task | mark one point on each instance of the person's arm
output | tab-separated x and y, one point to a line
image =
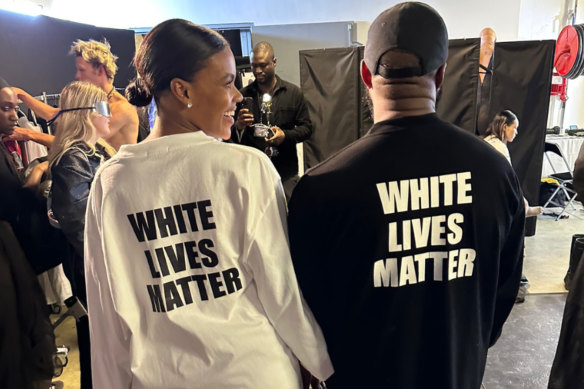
41	109
36	175
302	129
110	350
26	134
511	261
72	179
270	263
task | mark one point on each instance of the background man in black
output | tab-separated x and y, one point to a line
288	119
407	243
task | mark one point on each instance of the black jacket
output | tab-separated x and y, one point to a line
72	176
288	112
27	214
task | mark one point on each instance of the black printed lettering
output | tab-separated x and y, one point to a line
211	260
231	279
153	271
180	220
166	223
184	284
176	257
190	210
156	298
200	279
206	214
162	261
192	254
172	296
216	284
143	227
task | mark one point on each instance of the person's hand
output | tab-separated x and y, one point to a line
19	92
41	167
277	138
244	119
21	134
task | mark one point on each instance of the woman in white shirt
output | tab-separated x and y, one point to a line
503	130
189	278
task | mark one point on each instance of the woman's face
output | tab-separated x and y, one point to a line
215	96
101	124
511	131
8	117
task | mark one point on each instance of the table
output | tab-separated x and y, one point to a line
570	147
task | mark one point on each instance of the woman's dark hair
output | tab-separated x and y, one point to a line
497	126
175	48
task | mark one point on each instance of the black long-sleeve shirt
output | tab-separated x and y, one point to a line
407	247
288	112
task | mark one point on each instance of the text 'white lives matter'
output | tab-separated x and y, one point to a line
427	236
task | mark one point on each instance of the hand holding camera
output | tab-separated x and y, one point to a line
277	136
245	116
244	119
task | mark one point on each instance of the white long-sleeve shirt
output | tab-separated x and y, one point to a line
189	277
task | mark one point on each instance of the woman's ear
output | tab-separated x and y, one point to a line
180	89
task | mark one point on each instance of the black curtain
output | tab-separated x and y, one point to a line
521	81
522	76
331	83
35	51
458	96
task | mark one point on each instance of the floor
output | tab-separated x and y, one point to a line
523	355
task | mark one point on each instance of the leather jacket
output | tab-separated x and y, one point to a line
72	176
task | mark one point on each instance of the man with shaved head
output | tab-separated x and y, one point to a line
280	105
407	243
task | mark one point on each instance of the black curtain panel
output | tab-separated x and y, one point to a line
521	81
458	96
35	51
331	83
522	76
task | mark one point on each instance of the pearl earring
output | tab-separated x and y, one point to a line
190	105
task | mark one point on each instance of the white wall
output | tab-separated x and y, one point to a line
511	19
463	18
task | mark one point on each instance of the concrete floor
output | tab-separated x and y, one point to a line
523	355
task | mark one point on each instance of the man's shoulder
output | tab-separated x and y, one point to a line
120	107
288	85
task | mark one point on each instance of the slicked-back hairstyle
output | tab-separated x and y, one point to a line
97	54
497	126
175	48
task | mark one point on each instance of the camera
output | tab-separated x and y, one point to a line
247	103
260	130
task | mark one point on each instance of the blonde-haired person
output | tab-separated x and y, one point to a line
95	63
503	130
96	54
74	158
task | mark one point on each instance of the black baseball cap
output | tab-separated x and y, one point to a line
413	27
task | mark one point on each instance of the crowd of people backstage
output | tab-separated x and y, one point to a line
388	269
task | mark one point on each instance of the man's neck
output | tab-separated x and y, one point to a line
268	87
403	100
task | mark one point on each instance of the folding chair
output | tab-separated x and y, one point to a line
564	183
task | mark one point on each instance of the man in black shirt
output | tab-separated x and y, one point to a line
407	243
285	112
